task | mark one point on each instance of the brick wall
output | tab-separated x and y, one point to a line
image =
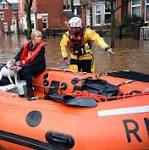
7	18
54	8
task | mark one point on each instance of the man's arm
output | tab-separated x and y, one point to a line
93	36
64	45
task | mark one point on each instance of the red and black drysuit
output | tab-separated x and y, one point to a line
32	61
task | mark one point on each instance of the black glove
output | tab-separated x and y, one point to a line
66	60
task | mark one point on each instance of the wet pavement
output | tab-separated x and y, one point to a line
129	54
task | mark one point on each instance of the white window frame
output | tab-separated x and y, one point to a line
2	16
135	6
96	14
102	13
145	18
66	3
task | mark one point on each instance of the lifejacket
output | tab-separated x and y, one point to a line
77	43
27	55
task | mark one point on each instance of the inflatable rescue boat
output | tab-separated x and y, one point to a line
80	111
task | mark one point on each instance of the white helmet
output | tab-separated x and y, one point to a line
75	22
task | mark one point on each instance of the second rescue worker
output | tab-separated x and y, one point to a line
78	40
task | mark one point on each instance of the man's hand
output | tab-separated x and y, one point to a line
109	50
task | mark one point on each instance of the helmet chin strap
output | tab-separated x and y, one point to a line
76	32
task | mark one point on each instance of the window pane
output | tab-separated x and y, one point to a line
67	4
147	13
147	1
136	11
98	19
107	7
76	2
108	18
135	2
64	2
98	9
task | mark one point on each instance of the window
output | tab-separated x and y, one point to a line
135	2
101	14
136	7
97	14
88	17
76	2
5	27
3	6
67	4
107	13
1	15
147	11
45	21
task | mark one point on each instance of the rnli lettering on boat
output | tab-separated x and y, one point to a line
135	130
131	126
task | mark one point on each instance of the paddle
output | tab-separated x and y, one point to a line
73	101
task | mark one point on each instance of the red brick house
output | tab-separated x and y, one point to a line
5	16
8	16
45	14
140	8
100	16
54	14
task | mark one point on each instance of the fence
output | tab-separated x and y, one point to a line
144	33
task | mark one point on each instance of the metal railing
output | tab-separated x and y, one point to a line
144	33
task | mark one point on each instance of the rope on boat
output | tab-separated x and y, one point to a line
127	95
101	98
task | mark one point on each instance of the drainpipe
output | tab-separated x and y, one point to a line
75	11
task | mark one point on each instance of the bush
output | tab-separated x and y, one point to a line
131	22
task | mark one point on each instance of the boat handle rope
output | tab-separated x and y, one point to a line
127	95
125	82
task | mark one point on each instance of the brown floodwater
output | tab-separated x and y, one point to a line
129	54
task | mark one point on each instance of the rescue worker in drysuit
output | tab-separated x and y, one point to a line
78	41
31	60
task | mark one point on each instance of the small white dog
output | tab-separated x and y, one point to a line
9	70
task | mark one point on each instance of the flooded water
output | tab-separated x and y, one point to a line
129	54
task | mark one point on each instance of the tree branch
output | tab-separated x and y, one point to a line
123	3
